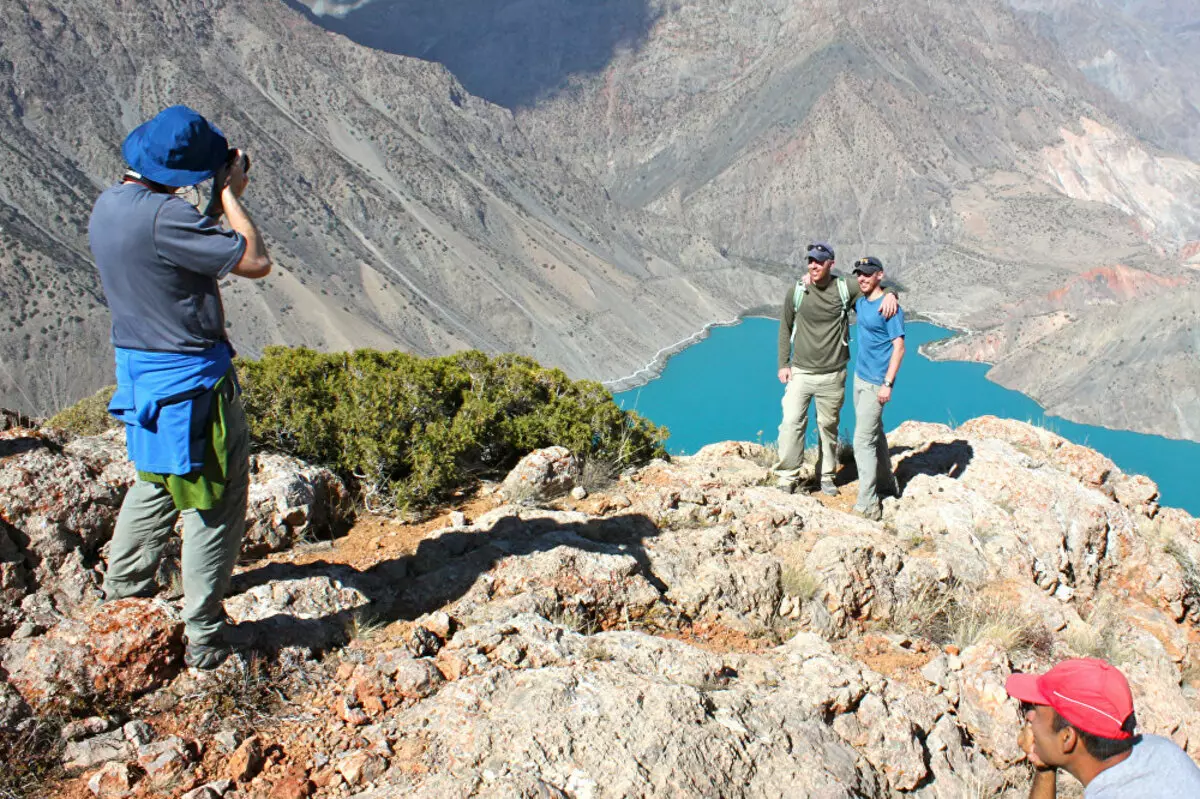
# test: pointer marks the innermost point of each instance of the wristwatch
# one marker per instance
(888, 383)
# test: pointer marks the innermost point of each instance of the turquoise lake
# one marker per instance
(724, 388)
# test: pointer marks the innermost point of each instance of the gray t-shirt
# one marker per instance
(160, 260)
(1157, 769)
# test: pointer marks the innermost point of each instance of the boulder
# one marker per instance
(290, 501)
(57, 504)
(540, 475)
(124, 649)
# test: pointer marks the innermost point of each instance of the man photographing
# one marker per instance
(160, 260)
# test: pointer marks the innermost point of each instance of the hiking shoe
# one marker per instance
(787, 488)
(828, 488)
(874, 514)
(206, 656)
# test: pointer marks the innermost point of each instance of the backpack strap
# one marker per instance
(843, 290)
(844, 293)
(797, 297)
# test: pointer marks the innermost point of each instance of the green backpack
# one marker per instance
(843, 292)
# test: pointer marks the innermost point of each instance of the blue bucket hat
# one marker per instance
(176, 148)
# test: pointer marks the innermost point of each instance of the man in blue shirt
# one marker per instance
(160, 260)
(880, 350)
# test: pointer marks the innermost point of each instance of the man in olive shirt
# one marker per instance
(814, 348)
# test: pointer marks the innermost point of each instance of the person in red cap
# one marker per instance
(1079, 717)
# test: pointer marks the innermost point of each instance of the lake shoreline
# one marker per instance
(727, 391)
(654, 367)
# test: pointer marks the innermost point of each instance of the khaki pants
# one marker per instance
(211, 540)
(870, 446)
(827, 391)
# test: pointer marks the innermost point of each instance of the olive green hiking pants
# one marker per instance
(826, 392)
(211, 540)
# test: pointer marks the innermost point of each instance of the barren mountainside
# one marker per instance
(401, 211)
(592, 183)
(959, 141)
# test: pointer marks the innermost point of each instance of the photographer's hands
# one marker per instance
(231, 177)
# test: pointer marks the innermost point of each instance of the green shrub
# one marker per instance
(88, 417)
(412, 430)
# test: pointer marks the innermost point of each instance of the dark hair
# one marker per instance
(1097, 747)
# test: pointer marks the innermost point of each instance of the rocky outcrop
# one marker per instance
(542, 474)
(124, 649)
(59, 499)
(689, 632)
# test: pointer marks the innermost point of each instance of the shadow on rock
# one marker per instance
(543, 564)
(950, 458)
(508, 53)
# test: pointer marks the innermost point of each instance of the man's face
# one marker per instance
(1047, 744)
(868, 283)
(819, 270)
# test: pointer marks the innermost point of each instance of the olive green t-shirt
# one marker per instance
(822, 331)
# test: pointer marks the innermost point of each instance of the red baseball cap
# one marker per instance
(1089, 693)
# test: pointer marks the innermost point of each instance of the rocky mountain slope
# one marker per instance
(647, 168)
(401, 210)
(686, 631)
(1142, 53)
(965, 143)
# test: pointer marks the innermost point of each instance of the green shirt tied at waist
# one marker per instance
(203, 489)
(822, 328)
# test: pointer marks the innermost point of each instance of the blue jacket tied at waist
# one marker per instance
(164, 399)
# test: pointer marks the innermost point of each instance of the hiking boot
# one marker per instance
(874, 514)
(788, 487)
(828, 488)
(206, 656)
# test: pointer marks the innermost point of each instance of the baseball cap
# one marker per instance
(178, 147)
(1090, 694)
(868, 266)
(820, 251)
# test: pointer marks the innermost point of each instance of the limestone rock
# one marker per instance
(163, 761)
(82, 728)
(126, 648)
(246, 761)
(112, 781)
(314, 610)
(361, 767)
(12, 706)
(290, 501)
(542, 474)
(91, 752)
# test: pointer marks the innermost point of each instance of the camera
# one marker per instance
(232, 156)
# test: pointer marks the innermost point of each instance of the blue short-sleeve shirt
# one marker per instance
(875, 335)
(160, 261)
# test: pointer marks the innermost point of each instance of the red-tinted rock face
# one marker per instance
(126, 648)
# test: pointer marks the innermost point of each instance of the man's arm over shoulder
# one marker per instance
(891, 303)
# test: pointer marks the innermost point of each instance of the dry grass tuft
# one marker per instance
(952, 614)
